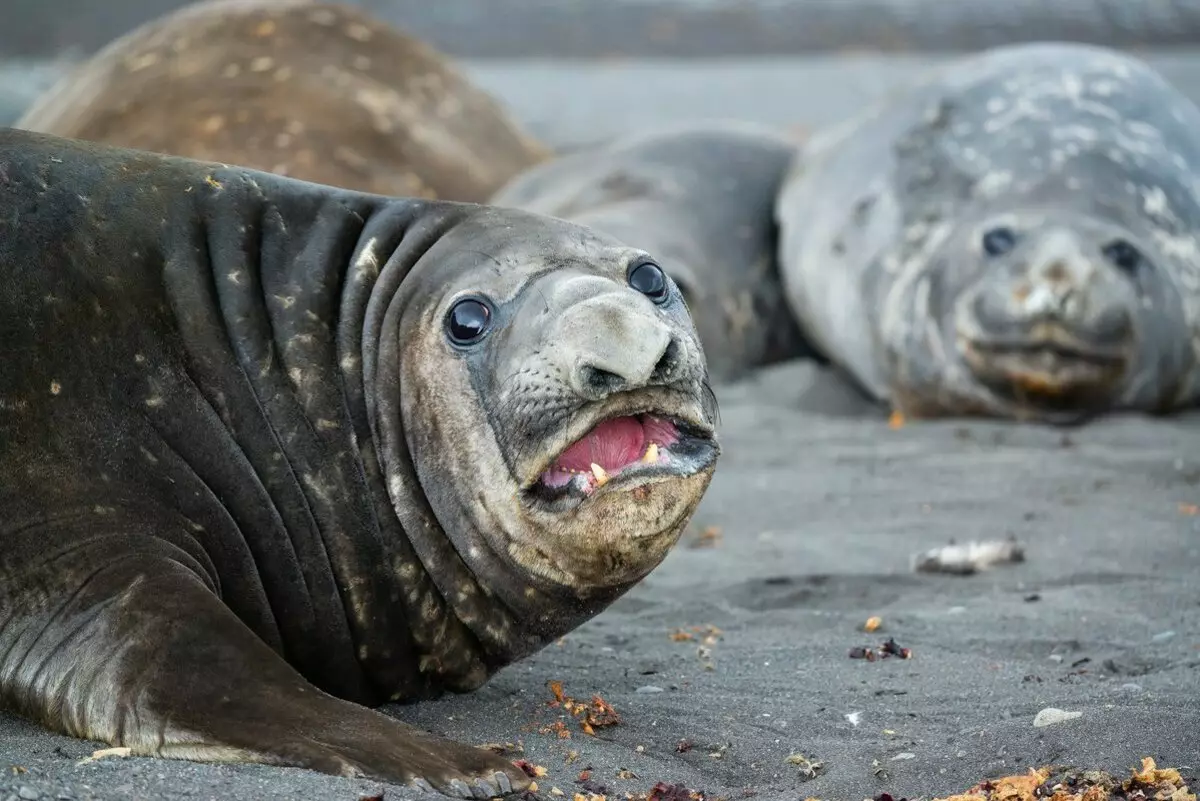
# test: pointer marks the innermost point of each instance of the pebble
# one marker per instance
(1131, 687)
(905, 755)
(649, 688)
(28, 793)
(1162, 636)
(1052, 715)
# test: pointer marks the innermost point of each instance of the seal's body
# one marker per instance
(1015, 237)
(700, 197)
(317, 91)
(270, 448)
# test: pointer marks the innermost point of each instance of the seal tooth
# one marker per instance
(651, 455)
(601, 476)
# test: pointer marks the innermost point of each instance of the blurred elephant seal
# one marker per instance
(1017, 236)
(700, 197)
(272, 452)
(315, 91)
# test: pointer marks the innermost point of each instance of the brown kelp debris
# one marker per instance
(596, 714)
(531, 770)
(707, 634)
(888, 649)
(969, 557)
(709, 537)
(1151, 783)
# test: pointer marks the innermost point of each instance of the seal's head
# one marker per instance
(1052, 318)
(556, 405)
(1056, 299)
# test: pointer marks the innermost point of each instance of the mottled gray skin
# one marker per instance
(248, 485)
(700, 198)
(888, 224)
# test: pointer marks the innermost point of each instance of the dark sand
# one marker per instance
(820, 507)
(819, 514)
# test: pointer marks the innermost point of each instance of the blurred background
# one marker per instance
(576, 71)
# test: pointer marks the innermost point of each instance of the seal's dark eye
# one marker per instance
(468, 320)
(999, 241)
(649, 279)
(1124, 255)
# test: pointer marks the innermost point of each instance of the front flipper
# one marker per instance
(118, 641)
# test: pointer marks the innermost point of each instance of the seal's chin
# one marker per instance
(1046, 373)
(623, 453)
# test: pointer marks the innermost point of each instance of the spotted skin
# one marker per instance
(957, 250)
(248, 485)
(700, 197)
(317, 91)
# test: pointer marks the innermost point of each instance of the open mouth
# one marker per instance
(624, 452)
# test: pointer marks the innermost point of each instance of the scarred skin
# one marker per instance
(1014, 237)
(248, 485)
(700, 196)
(317, 91)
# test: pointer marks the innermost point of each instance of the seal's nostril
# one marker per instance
(667, 362)
(594, 380)
(1056, 272)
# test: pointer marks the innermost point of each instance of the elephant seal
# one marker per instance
(1014, 237)
(321, 92)
(273, 452)
(700, 197)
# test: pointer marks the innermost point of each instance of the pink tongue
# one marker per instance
(612, 445)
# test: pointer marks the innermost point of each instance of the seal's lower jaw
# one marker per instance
(1047, 377)
(625, 453)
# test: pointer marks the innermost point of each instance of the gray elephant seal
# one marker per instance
(317, 91)
(272, 451)
(1015, 237)
(700, 197)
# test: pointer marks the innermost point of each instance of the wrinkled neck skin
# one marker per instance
(423, 613)
(939, 265)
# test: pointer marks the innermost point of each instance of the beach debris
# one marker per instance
(591, 716)
(503, 749)
(896, 420)
(1051, 716)
(888, 649)
(968, 558)
(873, 623)
(594, 789)
(807, 768)
(708, 634)
(104, 753)
(557, 728)
(1149, 783)
(854, 717)
(376, 797)
(683, 746)
(531, 770)
(709, 537)
(671, 792)
(1189, 509)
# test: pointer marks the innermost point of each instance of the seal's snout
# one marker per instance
(609, 345)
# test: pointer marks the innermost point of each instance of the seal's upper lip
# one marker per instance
(1056, 348)
(1056, 372)
(615, 447)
